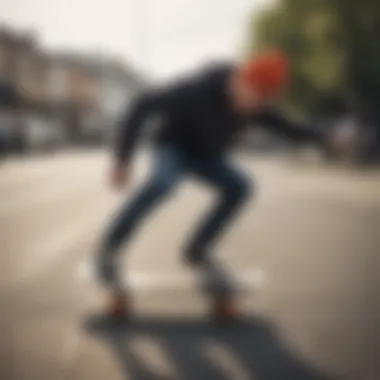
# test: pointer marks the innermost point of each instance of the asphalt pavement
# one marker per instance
(306, 250)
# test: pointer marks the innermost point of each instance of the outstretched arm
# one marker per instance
(333, 142)
(278, 124)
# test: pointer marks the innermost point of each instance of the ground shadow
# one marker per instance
(253, 343)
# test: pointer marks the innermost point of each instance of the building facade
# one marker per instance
(83, 92)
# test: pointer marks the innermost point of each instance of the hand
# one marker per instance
(119, 176)
(340, 142)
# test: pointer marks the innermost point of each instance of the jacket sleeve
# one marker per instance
(145, 106)
(280, 125)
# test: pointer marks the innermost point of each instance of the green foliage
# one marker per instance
(333, 46)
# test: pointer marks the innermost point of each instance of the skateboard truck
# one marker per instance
(222, 292)
(119, 306)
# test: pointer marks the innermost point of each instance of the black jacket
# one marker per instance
(196, 116)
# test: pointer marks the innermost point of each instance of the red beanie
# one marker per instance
(267, 73)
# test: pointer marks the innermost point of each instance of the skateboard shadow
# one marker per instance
(254, 344)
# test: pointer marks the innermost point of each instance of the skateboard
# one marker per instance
(214, 282)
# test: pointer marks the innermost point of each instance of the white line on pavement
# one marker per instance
(249, 278)
(154, 358)
(226, 360)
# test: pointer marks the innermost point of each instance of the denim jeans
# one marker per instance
(172, 165)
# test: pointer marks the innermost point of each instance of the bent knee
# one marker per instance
(240, 187)
(162, 185)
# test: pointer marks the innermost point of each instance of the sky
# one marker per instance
(161, 37)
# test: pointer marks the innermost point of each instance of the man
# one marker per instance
(201, 117)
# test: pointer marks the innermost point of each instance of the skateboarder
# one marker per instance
(201, 116)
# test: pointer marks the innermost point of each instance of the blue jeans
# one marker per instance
(171, 165)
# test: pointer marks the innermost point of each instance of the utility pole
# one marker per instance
(141, 24)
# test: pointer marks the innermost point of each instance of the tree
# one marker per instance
(334, 49)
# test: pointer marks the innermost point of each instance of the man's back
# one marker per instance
(199, 118)
(194, 111)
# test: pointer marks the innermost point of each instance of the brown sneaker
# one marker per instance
(225, 309)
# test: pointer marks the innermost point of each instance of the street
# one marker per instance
(307, 247)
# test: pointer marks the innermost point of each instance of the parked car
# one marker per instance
(10, 139)
(43, 134)
(5, 137)
(92, 129)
